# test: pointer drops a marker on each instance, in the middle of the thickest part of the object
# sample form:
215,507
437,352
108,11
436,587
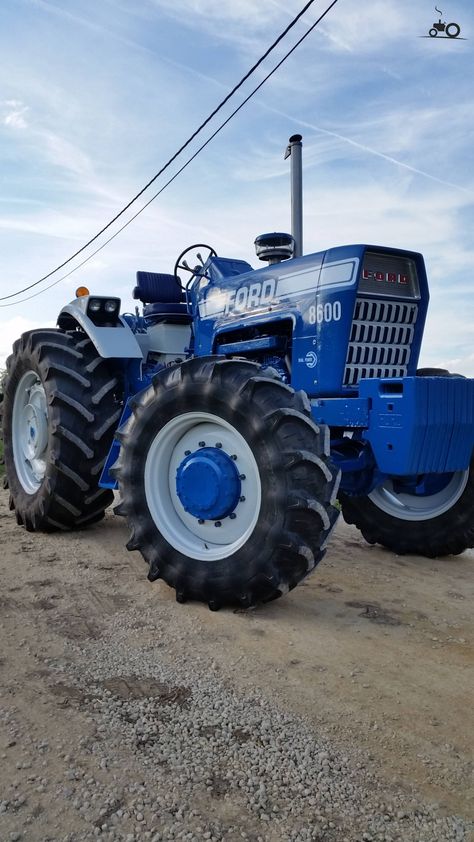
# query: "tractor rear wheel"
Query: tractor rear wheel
226,482
453,30
59,416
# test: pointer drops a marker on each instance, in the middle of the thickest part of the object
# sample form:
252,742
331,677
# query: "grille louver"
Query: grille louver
380,341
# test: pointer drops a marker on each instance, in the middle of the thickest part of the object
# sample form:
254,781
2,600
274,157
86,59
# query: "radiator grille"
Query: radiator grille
380,341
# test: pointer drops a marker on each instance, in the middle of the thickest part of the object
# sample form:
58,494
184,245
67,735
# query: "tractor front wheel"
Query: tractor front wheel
435,518
59,415
226,482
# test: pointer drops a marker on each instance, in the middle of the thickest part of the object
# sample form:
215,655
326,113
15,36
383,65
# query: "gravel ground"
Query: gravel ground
124,716
188,738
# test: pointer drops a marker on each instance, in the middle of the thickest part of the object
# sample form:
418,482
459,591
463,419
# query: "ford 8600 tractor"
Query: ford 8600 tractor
239,410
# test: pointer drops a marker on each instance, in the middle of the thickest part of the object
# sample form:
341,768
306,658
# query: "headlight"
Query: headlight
103,311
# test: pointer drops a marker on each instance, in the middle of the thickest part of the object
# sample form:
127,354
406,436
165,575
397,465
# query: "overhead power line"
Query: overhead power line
218,108
178,172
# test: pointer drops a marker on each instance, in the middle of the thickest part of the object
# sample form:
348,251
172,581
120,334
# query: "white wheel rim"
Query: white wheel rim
415,508
30,432
203,541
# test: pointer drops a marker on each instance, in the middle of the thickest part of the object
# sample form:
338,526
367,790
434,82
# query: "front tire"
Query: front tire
59,415
226,482
432,525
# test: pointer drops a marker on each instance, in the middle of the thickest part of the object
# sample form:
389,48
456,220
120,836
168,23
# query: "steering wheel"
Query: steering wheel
197,263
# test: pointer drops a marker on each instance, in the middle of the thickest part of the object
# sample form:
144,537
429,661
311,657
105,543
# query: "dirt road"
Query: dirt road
118,706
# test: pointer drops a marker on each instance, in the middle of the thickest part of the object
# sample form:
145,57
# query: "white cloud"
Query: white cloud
370,151
245,14
12,114
66,155
71,225
387,142
365,26
460,365
246,24
361,28
12,330
449,334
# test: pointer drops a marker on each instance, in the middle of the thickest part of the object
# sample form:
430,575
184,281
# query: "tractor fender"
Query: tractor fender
117,342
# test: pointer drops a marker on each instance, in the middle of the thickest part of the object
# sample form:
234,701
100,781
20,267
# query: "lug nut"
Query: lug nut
242,499
232,516
218,444
218,523
202,444
187,453
234,457
242,476
201,521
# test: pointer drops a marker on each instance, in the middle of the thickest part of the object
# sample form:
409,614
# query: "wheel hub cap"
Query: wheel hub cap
35,430
202,485
30,432
208,484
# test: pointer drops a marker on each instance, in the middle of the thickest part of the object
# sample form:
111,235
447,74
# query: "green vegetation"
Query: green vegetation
2,379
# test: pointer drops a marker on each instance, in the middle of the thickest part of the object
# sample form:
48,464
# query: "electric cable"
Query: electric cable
218,108
179,171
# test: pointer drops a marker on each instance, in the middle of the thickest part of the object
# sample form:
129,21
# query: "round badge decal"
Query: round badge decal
311,359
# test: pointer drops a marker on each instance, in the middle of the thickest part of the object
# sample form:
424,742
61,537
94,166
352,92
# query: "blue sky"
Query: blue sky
96,94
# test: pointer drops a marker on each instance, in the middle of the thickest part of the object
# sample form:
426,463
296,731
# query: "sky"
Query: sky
96,95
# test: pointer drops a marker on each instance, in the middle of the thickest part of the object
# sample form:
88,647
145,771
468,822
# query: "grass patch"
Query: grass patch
3,374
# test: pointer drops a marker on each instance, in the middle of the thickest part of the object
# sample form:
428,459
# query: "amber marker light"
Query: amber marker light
80,291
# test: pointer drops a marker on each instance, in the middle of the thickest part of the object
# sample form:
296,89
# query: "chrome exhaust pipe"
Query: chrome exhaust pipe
295,151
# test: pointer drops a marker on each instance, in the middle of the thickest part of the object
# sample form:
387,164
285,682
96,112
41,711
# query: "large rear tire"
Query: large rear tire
453,30
59,416
226,482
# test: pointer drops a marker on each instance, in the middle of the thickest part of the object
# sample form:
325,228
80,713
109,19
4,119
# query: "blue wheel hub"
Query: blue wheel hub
208,484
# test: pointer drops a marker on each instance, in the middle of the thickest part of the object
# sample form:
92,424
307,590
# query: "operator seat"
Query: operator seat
163,299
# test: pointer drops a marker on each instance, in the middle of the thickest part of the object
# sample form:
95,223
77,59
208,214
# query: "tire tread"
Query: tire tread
82,397
296,461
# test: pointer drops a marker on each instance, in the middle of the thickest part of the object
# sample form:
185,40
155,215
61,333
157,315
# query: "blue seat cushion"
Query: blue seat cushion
154,287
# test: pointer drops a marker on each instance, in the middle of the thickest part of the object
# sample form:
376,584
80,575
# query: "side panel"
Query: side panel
314,294
320,351
354,314
253,298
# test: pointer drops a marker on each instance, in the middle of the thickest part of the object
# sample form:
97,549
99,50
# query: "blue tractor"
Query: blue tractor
239,410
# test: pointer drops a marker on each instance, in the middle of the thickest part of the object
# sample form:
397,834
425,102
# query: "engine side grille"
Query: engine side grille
380,341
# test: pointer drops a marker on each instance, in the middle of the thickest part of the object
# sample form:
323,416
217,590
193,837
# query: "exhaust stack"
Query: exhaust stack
295,151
